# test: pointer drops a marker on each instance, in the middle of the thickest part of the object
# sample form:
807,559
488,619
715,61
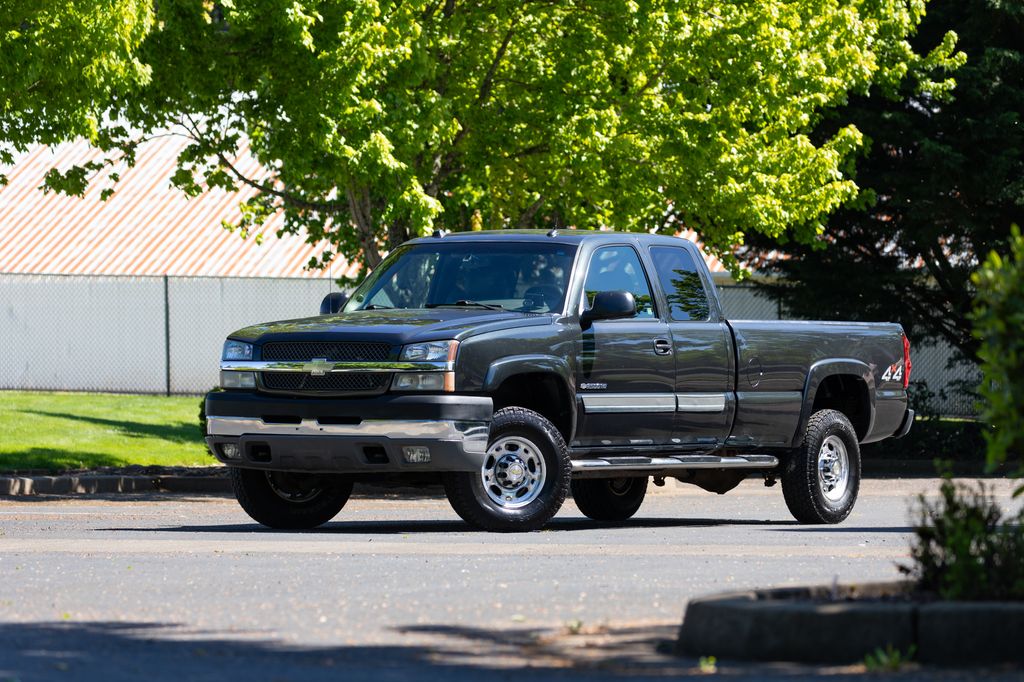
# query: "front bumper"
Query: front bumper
349,436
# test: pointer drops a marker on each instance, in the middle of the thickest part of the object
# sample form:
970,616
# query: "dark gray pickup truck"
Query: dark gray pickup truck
517,366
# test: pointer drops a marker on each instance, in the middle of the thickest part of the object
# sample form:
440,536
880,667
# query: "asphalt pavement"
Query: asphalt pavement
170,587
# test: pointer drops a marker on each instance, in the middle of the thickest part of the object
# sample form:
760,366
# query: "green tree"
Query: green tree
943,182
375,121
62,64
998,319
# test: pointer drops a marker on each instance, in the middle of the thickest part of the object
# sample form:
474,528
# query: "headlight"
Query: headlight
236,350
430,352
419,381
237,379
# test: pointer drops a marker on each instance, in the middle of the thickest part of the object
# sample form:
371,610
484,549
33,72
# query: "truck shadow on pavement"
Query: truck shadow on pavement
426,527
112,651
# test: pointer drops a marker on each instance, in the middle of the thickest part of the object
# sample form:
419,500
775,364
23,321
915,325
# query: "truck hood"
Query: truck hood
392,326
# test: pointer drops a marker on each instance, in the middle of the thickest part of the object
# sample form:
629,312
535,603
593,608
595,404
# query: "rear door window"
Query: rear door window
681,282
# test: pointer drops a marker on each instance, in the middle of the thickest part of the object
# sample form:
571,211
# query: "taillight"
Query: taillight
907,364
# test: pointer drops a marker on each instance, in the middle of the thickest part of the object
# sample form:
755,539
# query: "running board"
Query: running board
674,462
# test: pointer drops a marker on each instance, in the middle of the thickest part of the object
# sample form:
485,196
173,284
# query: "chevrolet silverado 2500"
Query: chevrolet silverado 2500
519,366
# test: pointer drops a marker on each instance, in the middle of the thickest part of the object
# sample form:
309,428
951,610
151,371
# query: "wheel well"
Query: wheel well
847,394
545,394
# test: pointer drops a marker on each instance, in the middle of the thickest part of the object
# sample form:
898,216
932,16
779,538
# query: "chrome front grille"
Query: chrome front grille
332,383
339,351
337,382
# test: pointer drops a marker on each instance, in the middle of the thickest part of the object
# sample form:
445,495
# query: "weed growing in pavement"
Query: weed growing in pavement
889,659
708,665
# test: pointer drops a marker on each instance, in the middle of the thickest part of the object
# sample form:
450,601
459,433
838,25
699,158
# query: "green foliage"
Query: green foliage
63,64
962,550
889,659
376,120
202,412
708,665
942,183
998,321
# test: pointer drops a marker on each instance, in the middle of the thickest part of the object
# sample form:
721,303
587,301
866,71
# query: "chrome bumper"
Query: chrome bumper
372,445
473,435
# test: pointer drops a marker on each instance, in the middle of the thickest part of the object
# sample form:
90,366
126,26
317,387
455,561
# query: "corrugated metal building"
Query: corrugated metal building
147,227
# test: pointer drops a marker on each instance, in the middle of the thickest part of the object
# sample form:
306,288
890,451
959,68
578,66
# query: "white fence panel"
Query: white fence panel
204,310
82,333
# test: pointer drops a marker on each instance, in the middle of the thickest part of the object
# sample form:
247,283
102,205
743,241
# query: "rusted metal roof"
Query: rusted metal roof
148,227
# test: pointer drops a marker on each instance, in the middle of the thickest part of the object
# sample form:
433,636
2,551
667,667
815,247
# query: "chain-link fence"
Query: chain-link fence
164,334
133,334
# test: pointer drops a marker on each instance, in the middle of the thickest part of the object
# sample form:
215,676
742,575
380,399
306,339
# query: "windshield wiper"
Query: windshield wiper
462,303
377,306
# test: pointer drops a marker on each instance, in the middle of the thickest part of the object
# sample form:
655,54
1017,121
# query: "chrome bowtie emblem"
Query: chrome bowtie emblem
318,367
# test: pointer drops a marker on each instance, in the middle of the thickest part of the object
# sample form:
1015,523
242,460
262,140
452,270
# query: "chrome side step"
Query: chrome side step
599,465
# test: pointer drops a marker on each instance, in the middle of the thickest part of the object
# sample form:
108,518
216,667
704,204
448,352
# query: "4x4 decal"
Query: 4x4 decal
894,372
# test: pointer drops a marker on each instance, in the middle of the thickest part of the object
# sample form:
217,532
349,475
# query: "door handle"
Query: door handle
662,346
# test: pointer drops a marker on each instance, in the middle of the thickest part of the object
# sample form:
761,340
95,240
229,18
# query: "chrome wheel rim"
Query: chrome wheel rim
289,489
833,468
513,473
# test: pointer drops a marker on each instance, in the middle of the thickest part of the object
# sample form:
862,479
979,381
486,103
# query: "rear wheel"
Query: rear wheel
289,500
524,478
821,479
609,499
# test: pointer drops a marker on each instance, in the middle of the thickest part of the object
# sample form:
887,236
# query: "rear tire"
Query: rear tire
290,501
820,479
609,499
523,481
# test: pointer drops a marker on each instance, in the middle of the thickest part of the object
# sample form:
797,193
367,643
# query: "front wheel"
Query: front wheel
609,499
524,478
821,479
287,500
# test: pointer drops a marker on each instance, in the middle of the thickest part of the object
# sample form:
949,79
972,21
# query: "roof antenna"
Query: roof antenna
553,232
438,234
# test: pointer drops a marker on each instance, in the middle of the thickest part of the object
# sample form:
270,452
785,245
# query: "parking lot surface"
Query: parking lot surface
133,587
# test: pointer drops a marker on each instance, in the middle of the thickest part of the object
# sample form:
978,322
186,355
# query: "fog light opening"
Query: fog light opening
416,454
230,450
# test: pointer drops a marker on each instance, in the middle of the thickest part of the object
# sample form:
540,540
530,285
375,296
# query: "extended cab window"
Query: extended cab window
617,268
523,276
681,283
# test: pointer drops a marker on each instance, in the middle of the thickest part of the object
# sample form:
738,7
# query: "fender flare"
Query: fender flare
823,369
514,365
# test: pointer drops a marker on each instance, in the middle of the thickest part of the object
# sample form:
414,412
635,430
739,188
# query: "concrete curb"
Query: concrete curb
102,485
822,625
216,483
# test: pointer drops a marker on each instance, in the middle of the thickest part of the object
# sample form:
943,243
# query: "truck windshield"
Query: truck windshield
521,276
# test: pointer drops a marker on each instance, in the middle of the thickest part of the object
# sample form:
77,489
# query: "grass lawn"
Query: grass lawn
60,431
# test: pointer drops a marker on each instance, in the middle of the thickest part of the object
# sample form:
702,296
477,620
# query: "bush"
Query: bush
964,549
202,411
998,320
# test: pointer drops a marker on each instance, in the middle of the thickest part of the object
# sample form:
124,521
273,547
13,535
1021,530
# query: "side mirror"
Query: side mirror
610,305
333,302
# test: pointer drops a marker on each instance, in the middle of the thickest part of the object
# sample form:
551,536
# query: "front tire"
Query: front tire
524,478
290,501
609,499
821,479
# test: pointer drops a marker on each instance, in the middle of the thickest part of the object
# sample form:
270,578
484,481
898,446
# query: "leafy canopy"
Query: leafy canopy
943,181
62,64
375,121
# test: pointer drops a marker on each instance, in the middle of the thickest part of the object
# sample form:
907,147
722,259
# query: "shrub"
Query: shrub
998,320
963,548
